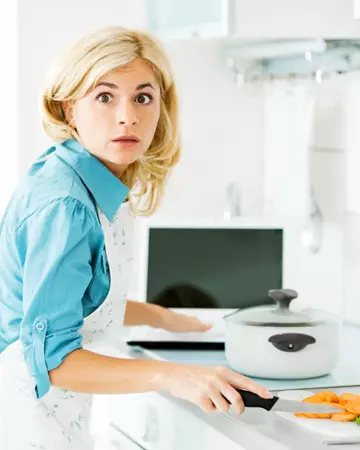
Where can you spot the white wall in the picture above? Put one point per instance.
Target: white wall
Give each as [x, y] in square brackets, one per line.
[219, 123]
[336, 145]
[352, 218]
[298, 117]
[45, 29]
[9, 111]
[221, 135]
[222, 125]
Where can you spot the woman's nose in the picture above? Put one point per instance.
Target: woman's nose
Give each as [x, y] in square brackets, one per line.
[126, 114]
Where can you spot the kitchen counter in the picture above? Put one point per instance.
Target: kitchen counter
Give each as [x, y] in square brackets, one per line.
[256, 429]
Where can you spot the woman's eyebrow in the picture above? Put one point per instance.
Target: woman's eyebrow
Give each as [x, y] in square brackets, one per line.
[109, 85]
[144, 85]
[114, 86]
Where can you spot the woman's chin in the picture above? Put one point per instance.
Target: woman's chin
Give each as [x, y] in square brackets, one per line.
[121, 160]
[124, 160]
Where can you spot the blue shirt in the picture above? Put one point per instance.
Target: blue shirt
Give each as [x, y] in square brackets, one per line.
[53, 270]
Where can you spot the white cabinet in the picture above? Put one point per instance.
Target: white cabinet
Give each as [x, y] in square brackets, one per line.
[254, 18]
[116, 440]
[296, 19]
[154, 422]
[188, 18]
[148, 419]
[193, 433]
[122, 443]
[357, 9]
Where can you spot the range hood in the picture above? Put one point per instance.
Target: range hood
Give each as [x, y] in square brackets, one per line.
[261, 60]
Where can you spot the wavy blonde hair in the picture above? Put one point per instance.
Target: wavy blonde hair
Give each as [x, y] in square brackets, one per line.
[77, 72]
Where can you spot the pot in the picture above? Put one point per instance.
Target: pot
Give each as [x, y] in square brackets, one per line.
[278, 342]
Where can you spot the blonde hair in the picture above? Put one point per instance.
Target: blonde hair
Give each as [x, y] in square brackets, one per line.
[79, 70]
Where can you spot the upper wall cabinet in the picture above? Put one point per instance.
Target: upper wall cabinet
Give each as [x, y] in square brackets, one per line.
[244, 19]
[172, 19]
[357, 9]
[296, 19]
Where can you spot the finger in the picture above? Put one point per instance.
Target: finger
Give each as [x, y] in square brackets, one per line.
[206, 404]
[242, 382]
[201, 326]
[220, 402]
[251, 386]
[233, 397]
[196, 325]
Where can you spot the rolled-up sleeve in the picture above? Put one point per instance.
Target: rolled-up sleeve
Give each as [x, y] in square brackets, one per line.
[56, 257]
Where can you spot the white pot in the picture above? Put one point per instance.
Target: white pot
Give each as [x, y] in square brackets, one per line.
[276, 342]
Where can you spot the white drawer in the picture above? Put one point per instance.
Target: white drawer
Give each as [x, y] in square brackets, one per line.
[157, 423]
[147, 418]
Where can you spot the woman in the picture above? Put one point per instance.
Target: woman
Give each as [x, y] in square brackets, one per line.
[110, 108]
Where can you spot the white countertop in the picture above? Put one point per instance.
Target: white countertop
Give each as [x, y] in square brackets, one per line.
[258, 429]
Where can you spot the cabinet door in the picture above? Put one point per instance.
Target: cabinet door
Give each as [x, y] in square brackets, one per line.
[191, 432]
[188, 18]
[296, 19]
[357, 9]
[156, 423]
[116, 441]
[148, 419]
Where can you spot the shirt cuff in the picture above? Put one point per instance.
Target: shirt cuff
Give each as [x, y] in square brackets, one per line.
[56, 346]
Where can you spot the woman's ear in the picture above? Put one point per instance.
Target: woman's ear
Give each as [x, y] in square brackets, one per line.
[68, 108]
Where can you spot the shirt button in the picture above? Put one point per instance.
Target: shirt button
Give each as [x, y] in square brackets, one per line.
[40, 326]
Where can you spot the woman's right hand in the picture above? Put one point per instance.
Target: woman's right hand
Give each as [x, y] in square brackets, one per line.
[211, 388]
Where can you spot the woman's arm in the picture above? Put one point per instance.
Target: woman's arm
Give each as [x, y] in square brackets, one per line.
[207, 387]
[139, 313]
[89, 372]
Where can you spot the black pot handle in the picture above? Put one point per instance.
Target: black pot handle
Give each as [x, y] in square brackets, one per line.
[291, 342]
[283, 297]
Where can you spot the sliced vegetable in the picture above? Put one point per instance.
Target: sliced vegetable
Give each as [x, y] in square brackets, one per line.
[313, 416]
[343, 417]
[324, 396]
[349, 403]
[353, 407]
[344, 398]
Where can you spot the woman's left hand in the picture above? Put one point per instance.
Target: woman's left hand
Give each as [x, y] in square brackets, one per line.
[179, 323]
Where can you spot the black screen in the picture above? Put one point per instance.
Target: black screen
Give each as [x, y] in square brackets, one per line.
[213, 268]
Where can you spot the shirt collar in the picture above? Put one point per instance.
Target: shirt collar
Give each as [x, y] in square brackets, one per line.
[109, 192]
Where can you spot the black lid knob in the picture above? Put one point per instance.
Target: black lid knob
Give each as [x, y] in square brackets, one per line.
[283, 297]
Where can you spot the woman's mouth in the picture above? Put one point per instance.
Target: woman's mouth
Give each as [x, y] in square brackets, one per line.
[126, 141]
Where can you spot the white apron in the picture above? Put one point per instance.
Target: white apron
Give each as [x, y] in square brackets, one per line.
[60, 420]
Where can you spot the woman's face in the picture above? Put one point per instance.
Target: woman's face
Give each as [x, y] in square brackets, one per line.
[116, 121]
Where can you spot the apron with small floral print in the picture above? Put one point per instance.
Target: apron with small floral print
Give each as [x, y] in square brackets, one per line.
[61, 419]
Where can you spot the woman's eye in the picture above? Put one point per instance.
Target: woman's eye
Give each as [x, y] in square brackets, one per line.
[104, 98]
[144, 99]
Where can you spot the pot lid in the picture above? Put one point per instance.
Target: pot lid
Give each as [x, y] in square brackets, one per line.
[278, 314]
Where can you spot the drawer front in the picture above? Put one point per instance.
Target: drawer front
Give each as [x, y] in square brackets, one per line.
[157, 423]
[145, 418]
